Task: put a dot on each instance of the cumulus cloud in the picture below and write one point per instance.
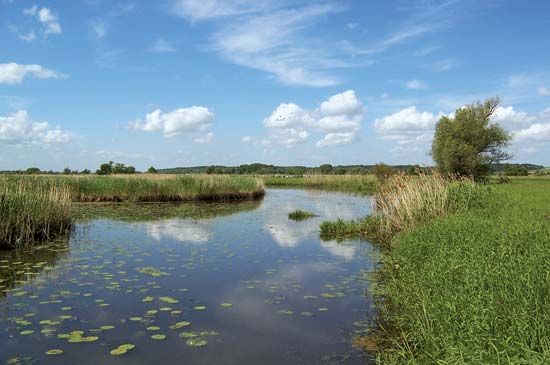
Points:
(287, 115)
(509, 118)
(194, 119)
(247, 139)
(339, 117)
(48, 20)
(536, 132)
(544, 91)
(539, 131)
(333, 139)
(407, 120)
(14, 73)
(18, 128)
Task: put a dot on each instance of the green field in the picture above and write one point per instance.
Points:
(472, 287)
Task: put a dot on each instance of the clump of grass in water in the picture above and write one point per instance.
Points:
(33, 211)
(404, 202)
(300, 215)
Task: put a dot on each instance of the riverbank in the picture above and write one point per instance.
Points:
(35, 209)
(466, 285)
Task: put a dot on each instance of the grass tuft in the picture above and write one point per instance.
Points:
(300, 215)
(32, 211)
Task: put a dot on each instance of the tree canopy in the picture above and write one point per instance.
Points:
(469, 142)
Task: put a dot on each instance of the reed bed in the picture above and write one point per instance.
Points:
(33, 211)
(158, 188)
(365, 184)
(404, 202)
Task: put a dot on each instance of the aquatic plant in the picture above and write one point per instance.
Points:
(300, 215)
(404, 202)
(32, 211)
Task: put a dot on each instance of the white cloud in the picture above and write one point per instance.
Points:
(13, 73)
(407, 120)
(267, 35)
(18, 128)
(193, 119)
(544, 91)
(536, 132)
(352, 25)
(343, 103)
(339, 116)
(247, 139)
(162, 46)
(510, 118)
(47, 19)
(287, 115)
(334, 139)
(416, 85)
(209, 9)
(445, 65)
(207, 138)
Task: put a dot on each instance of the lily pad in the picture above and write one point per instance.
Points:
(54, 352)
(196, 342)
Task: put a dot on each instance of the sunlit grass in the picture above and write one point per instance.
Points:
(32, 211)
(365, 184)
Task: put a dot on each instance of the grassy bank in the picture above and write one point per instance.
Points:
(474, 287)
(404, 202)
(364, 184)
(32, 211)
(156, 188)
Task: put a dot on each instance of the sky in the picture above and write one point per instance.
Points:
(288, 82)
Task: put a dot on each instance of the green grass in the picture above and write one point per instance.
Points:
(32, 211)
(363, 184)
(404, 202)
(156, 188)
(300, 215)
(474, 287)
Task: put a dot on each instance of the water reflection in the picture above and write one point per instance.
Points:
(251, 285)
(183, 230)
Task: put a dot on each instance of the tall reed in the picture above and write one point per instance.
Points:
(32, 211)
(404, 202)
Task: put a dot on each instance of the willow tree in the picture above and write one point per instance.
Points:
(469, 142)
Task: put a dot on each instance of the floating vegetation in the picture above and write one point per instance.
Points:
(158, 337)
(196, 342)
(152, 271)
(54, 352)
(199, 308)
(122, 349)
(179, 325)
(300, 215)
(169, 300)
(226, 305)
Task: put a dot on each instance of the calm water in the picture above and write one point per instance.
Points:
(214, 284)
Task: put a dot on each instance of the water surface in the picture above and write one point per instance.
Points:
(191, 283)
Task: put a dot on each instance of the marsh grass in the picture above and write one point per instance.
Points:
(32, 211)
(300, 215)
(363, 184)
(404, 202)
(157, 188)
(472, 288)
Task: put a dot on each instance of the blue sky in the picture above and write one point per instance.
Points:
(192, 82)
